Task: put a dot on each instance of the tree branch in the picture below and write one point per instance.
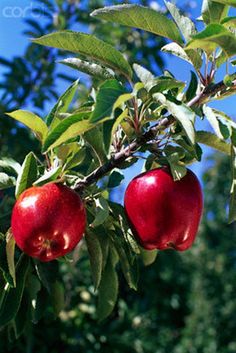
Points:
(149, 135)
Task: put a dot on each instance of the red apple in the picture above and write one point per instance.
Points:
(48, 221)
(164, 213)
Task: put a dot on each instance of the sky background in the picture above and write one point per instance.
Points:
(13, 42)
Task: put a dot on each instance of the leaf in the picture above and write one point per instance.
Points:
(229, 22)
(182, 113)
(89, 68)
(226, 2)
(211, 140)
(63, 102)
(32, 121)
(95, 257)
(89, 46)
(148, 256)
(10, 166)
(102, 211)
(76, 159)
(6, 181)
(140, 17)
(178, 170)
(108, 94)
(213, 36)
(184, 23)
(211, 117)
(190, 56)
(108, 290)
(143, 74)
(57, 297)
(213, 12)
(232, 203)
(68, 128)
(10, 251)
(115, 178)
(13, 296)
(48, 176)
(47, 273)
(28, 174)
(164, 84)
(94, 137)
(192, 88)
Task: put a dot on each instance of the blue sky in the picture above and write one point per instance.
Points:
(12, 43)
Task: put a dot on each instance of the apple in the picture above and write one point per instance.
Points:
(164, 213)
(48, 221)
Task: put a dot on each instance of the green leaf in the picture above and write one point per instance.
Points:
(108, 290)
(68, 128)
(213, 12)
(28, 174)
(192, 88)
(47, 273)
(94, 138)
(10, 166)
(101, 211)
(89, 68)
(214, 122)
(213, 36)
(32, 121)
(178, 169)
(95, 257)
(226, 2)
(164, 84)
(10, 251)
(143, 74)
(49, 176)
(182, 113)
(63, 103)
(140, 17)
(184, 23)
(211, 140)
(229, 22)
(76, 159)
(12, 300)
(57, 297)
(6, 181)
(108, 94)
(115, 178)
(232, 203)
(148, 256)
(90, 47)
(190, 56)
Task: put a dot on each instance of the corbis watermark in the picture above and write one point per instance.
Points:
(33, 10)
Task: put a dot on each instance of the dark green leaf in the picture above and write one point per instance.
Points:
(10, 252)
(232, 204)
(115, 179)
(48, 176)
(89, 46)
(148, 256)
(213, 12)
(28, 174)
(192, 88)
(57, 297)
(95, 257)
(101, 211)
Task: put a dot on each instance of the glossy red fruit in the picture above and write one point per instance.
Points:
(164, 213)
(48, 221)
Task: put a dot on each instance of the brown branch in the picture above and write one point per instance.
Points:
(149, 135)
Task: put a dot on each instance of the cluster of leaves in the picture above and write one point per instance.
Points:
(78, 144)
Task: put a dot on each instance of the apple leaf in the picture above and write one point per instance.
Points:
(76, 159)
(6, 181)
(140, 17)
(57, 297)
(192, 88)
(47, 273)
(4, 268)
(211, 140)
(229, 22)
(89, 68)
(184, 115)
(109, 92)
(108, 290)
(68, 128)
(213, 12)
(226, 2)
(213, 36)
(62, 104)
(143, 74)
(115, 178)
(190, 56)
(184, 23)
(101, 211)
(49, 176)
(28, 174)
(232, 203)
(95, 257)
(10, 252)
(10, 166)
(32, 121)
(95, 139)
(148, 257)
(214, 122)
(12, 299)
(88, 46)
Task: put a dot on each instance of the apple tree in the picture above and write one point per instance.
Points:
(128, 114)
